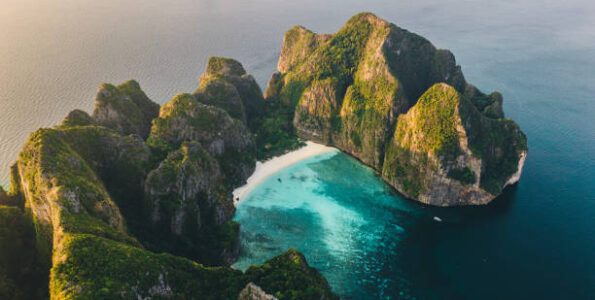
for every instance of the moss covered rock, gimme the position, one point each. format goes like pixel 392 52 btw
pixel 438 157
pixel 188 200
pixel 22 274
pixel 349 89
pixel 219 92
pixel 124 108
pixel 78 183
pixel 77 117
pixel 227 85
pixel 288 276
pixel 228 139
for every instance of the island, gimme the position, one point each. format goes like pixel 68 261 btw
pixel 391 99
pixel 135 200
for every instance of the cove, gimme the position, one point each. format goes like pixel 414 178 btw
pixel 348 223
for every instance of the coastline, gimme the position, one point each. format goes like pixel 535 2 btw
pixel 269 167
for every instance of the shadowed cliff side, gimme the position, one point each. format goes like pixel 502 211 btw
pixel 101 203
pixel 349 89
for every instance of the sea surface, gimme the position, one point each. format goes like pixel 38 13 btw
pixel 536 241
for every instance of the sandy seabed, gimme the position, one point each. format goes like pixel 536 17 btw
pixel 266 169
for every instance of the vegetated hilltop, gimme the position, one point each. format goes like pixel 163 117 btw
pixel 135 200
pixel 391 99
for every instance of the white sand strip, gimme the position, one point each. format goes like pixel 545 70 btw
pixel 265 169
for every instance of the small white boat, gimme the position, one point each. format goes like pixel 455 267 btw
pixel 437 219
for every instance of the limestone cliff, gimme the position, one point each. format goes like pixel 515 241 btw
pixel 444 152
pixel 349 89
pixel 254 292
pixel 103 204
pixel 228 139
pixel 187 197
pixel 124 108
pixel 227 85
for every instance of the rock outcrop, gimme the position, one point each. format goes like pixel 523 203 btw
pixel 22 275
pixel 77 117
pixel 289 272
pixel 228 139
pixel 124 108
pixel 103 204
pixel 444 152
pixel 188 183
pixel 254 292
pixel 227 85
pixel 352 88
pixel 189 200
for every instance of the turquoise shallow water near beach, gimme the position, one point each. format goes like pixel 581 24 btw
pixel 536 241
pixel 372 244
pixel 346 221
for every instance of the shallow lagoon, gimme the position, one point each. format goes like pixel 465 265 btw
pixel 371 243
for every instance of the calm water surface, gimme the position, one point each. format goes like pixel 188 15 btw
pixel 535 241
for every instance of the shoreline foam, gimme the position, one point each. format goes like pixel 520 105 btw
pixel 267 168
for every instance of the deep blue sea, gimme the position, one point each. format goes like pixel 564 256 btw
pixel 537 241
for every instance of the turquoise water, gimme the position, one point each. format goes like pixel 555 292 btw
pixel 346 221
pixel 372 244
pixel 537 241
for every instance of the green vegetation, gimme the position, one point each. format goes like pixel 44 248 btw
pixel 433 122
pixel 130 272
pixel 227 139
pixel 382 71
pixel 100 203
pixel 426 132
pixel 78 171
pixel 465 175
pixel 183 118
pixel 499 145
pixel 124 108
pixel 218 92
pixel 288 276
pixel 227 85
pixel 183 195
pixel 77 118
pixel 430 127
pixel 274 133
pixel 406 170
pixel 22 275
pixel 222 65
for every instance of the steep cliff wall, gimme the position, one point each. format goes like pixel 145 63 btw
pixel 124 108
pixel 95 197
pixel 349 89
pixel 227 85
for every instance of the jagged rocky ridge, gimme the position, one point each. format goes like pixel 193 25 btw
pixel 391 99
pixel 126 202
pixel 94 200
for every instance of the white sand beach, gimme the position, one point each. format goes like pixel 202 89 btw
pixel 265 169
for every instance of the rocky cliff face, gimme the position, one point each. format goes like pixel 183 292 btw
pixel 124 108
pixel 103 203
pixel 228 139
pixel 352 88
pixel 435 155
pixel 189 193
pixel 188 179
pixel 227 85
pixel 254 292
pixel 189 199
